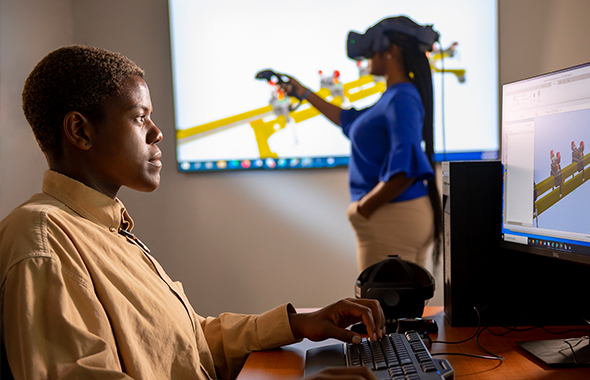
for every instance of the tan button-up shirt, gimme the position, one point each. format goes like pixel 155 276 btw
pixel 79 300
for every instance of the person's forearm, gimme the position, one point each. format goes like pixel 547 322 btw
pixel 330 111
pixel 383 193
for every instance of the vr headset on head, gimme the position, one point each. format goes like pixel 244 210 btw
pixel 375 39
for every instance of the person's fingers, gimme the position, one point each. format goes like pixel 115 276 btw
pixel 290 87
pixel 286 87
pixel 342 334
pixel 378 315
pixel 369 311
pixel 294 83
pixel 333 321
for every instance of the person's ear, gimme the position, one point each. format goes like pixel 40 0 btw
pixel 76 130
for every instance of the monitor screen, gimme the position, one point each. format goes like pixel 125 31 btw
pixel 227 120
pixel 545 125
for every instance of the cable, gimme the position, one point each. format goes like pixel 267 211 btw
pixel 477 334
pixel 513 328
pixel 495 356
pixel 500 358
pixel 521 329
pixel 570 330
pixel 579 341
pixel 574 351
pixel 468 339
pixel 563 332
pixel 442 99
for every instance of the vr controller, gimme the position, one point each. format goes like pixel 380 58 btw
pixel 364 46
pixel 273 76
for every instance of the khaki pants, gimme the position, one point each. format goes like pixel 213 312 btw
pixel 399 228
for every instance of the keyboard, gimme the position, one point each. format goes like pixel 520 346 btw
pixel 398 356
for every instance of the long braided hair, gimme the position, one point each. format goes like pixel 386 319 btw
pixel 417 67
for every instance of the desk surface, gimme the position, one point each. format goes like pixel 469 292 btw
pixel 288 362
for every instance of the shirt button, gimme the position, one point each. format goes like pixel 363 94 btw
pixel 112 229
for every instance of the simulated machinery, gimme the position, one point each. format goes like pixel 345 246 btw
pixel 227 120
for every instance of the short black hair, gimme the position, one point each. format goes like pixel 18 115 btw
pixel 72 78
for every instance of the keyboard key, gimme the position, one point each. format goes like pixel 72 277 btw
pixel 353 355
pixel 405 360
pixel 382 374
pixel 389 353
pixel 396 357
pixel 423 357
pixel 365 354
pixel 396 371
pixel 408 369
pixel 428 366
pixel 377 354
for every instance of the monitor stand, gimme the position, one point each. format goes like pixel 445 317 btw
pixel 557 353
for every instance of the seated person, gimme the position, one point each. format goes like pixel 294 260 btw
pixel 80 296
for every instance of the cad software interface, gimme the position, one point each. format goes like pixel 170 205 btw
pixel 545 126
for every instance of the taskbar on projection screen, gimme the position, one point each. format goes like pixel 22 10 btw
pixel 310 162
pixel 264 164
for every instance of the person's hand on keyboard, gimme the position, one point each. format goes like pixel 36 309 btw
pixel 350 373
pixel 332 321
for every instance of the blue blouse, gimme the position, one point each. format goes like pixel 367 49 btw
pixel 386 139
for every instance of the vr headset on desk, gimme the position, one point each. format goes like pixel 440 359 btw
pixel 377 38
pixel 401 287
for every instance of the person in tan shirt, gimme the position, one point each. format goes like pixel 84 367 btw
pixel 80 296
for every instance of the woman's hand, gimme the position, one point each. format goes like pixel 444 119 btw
pixel 332 321
pixel 330 111
pixel 344 373
pixel 293 86
pixel 383 193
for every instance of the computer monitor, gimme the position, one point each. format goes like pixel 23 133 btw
pixel 545 126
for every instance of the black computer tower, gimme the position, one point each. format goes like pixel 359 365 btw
pixel 472 196
pixel 507 287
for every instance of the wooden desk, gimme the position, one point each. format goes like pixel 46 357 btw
pixel 288 362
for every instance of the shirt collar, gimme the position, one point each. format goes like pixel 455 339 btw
pixel 87 202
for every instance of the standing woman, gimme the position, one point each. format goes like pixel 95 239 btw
pixel 395 207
